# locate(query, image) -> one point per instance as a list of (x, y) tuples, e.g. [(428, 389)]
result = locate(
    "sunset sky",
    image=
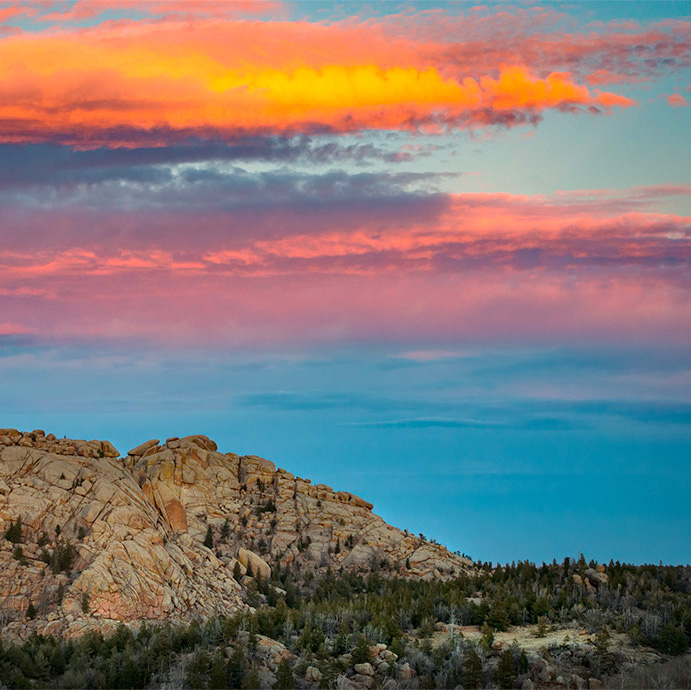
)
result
[(437, 254)]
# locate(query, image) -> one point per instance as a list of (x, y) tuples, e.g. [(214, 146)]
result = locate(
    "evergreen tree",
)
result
[(209, 538), (671, 640), (14, 532), (198, 671), (131, 673), (237, 666), (603, 655), (250, 680), (305, 641), (506, 671), (361, 653), (284, 676), (541, 627), (218, 677), (472, 670), (487, 640), (498, 617)]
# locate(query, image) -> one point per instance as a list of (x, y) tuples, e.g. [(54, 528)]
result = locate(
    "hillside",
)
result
[(170, 532)]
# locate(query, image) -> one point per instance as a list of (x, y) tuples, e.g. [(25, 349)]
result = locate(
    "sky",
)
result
[(437, 254)]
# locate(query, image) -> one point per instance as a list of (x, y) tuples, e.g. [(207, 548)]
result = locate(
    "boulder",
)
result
[(596, 578), (313, 674), (138, 451), (258, 565), (364, 669), (363, 680), (177, 517)]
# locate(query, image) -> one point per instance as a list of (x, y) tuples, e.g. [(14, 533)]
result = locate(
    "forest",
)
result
[(349, 630)]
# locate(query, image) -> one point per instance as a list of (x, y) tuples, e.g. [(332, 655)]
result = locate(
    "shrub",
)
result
[(14, 532)]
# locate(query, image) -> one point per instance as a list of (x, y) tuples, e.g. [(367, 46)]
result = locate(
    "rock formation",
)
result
[(89, 539)]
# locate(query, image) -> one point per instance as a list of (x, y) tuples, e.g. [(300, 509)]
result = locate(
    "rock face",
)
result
[(105, 539)]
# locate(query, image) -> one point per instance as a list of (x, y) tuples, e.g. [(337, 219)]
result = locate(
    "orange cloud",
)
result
[(101, 86), (677, 100)]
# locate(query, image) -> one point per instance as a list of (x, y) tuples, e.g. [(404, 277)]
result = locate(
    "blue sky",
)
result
[(437, 254), (502, 453)]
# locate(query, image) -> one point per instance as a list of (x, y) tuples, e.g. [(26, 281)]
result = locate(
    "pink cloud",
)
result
[(9, 328), (584, 264), (677, 100)]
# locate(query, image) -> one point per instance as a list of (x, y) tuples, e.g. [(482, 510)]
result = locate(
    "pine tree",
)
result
[(498, 617), (305, 641), (361, 653), (250, 680), (197, 671), (209, 539), (237, 666), (218, 677), (506, 671), (487, 640), (472, 670), (31, 611), (284, 676)]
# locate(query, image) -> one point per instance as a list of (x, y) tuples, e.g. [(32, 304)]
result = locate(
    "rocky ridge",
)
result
[(173, 530)]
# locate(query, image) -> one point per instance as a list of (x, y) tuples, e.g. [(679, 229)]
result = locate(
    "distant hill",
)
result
[(172, 531)]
